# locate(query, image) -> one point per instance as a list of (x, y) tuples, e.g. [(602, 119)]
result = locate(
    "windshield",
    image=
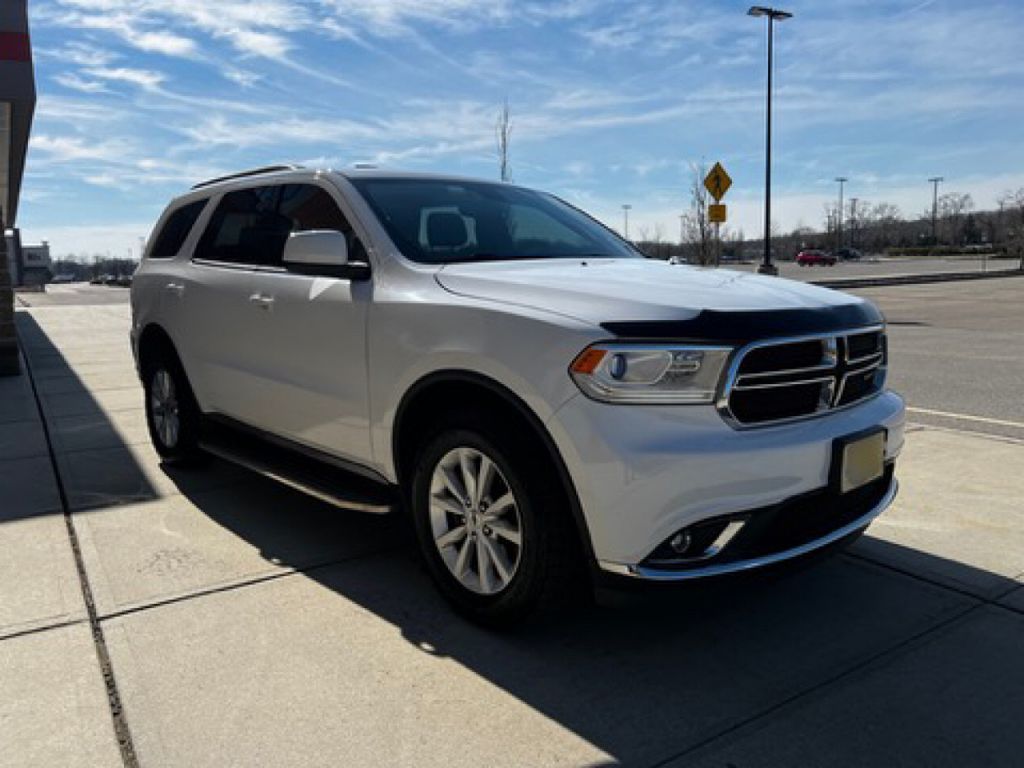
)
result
[(442, 222)]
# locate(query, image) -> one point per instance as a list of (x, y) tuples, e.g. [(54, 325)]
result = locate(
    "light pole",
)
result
[(773, 15), (839, 214), (853, 222), (625, 220), (935, 207)]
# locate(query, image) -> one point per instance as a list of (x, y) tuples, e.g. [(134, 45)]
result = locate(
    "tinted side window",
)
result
[(169, 240), (310, 207), (246, 229)]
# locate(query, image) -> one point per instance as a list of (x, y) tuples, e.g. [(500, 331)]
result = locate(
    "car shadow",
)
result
[(642, 675)]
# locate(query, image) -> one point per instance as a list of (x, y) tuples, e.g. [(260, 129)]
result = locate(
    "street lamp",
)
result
[(935, 206), (773, 15), (839, 221), (625, 215)]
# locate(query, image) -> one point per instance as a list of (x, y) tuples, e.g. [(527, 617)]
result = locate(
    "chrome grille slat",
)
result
[(768, 397)]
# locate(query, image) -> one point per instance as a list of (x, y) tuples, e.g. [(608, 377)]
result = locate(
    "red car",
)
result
[(811, 257)]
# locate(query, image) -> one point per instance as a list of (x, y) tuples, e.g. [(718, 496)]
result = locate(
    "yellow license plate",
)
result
[(863, 461)]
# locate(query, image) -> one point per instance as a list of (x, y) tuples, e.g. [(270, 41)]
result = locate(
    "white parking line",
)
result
[(966, 417)]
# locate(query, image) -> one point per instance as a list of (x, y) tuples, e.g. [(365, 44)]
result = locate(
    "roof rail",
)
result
[(243, 174)]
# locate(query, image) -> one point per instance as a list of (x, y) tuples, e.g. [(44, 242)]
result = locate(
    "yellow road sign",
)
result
[(717, 182), (716, 213)]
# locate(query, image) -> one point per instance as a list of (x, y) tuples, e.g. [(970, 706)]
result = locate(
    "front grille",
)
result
[(780, 380)]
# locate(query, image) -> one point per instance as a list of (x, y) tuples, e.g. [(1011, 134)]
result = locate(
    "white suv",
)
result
[(537, 394)]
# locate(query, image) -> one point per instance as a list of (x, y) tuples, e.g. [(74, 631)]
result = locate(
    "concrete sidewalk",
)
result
[(249, 625)]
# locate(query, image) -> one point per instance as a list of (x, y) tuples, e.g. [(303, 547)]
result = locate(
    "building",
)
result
[(17, 105), (28, 265)]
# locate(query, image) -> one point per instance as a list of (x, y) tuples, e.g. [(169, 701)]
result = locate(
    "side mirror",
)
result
[(322, 252), (317, 247)]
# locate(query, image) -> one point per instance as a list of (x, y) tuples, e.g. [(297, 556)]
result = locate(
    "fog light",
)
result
[(680, 542)]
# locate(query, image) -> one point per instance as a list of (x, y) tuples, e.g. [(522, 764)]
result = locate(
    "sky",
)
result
[(612, 102)]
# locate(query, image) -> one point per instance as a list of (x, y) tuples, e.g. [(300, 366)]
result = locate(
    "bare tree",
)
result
[(1013, 204), (696, 230), (952, 207), (503, 133)]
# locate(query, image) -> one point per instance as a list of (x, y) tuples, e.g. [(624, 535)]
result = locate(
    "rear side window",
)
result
[(246, 229), (251, 226), (170, 239)]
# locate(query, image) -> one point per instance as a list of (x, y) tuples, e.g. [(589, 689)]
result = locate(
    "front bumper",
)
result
[(741, 564), (642, 473)]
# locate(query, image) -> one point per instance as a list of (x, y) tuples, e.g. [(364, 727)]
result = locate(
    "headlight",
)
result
[(649, 373)]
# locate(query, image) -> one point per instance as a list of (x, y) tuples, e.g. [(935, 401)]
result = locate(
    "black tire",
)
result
[(180, 446), (549, 572)]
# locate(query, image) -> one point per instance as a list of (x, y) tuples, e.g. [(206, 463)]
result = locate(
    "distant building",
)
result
[(28, 264)]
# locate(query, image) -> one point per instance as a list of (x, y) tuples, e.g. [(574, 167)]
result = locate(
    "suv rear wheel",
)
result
[(171, 411), (490, 525)]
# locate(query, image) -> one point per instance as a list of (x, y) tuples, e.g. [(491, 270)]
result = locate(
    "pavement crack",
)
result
[(811, 690), (982, 600), (237, 585), (121, 730)]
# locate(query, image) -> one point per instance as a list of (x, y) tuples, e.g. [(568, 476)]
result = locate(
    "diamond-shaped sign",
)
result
[(717, 182)]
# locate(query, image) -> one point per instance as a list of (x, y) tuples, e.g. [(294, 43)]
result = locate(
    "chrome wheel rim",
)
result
[(164, 405), (475, 521)]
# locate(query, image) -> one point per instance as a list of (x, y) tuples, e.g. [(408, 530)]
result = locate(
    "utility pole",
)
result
[(839, 214), (625, 220), (935, 207), (773, 15), (853, 222)]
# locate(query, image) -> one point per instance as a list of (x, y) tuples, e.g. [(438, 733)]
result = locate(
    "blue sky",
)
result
[(611, 101)]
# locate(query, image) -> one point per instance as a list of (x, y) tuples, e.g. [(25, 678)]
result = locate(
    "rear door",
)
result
[(309, 367), (217, 311)]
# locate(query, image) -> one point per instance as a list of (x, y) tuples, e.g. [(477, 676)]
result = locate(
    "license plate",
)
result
[(863, 460)]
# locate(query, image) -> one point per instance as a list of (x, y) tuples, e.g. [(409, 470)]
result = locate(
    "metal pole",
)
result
[(625, 227), (935, 208), (767, 268), (839, 214), (853, 222)]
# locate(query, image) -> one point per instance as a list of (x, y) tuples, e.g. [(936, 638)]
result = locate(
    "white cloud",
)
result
[(144, 78), (165, 43), (62, 149), (77, 83)]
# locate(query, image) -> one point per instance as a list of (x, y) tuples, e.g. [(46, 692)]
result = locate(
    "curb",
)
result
[(939, 277)]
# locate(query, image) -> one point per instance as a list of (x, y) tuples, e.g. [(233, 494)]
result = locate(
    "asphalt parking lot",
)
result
[(160, 617)]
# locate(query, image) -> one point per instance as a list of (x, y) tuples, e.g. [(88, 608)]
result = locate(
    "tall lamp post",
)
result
[(773, 15), (625, 220), (934, 180), (839, 220)]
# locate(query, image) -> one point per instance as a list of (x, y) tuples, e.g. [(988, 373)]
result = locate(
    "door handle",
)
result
[(262, 300), (176, 288)]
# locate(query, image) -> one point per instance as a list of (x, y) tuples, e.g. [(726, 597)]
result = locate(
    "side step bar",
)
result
[(326, 482)]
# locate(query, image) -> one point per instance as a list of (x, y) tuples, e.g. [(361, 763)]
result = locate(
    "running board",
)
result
[(318, 479)]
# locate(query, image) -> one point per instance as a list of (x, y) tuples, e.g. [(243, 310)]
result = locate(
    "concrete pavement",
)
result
[(246, 624)]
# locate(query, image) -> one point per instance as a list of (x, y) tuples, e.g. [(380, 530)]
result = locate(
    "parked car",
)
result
[(810, 258), (543, 401), (849, 254), (63, 277)]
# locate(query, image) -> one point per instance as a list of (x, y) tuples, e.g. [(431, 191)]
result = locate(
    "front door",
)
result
[(310, 361)]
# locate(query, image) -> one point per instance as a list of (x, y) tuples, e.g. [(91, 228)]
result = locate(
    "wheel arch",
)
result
[(448, 388), (152, 339)]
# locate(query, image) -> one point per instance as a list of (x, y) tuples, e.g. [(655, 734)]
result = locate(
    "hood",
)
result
[(608, 291)]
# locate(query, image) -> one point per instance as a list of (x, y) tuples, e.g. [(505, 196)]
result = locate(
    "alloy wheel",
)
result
[(475, 520), (164, 405)]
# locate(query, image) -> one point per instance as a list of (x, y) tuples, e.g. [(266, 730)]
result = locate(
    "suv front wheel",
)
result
[(490, 524)]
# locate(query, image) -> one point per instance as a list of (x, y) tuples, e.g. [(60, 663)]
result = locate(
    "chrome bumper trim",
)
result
[(660, 574)]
